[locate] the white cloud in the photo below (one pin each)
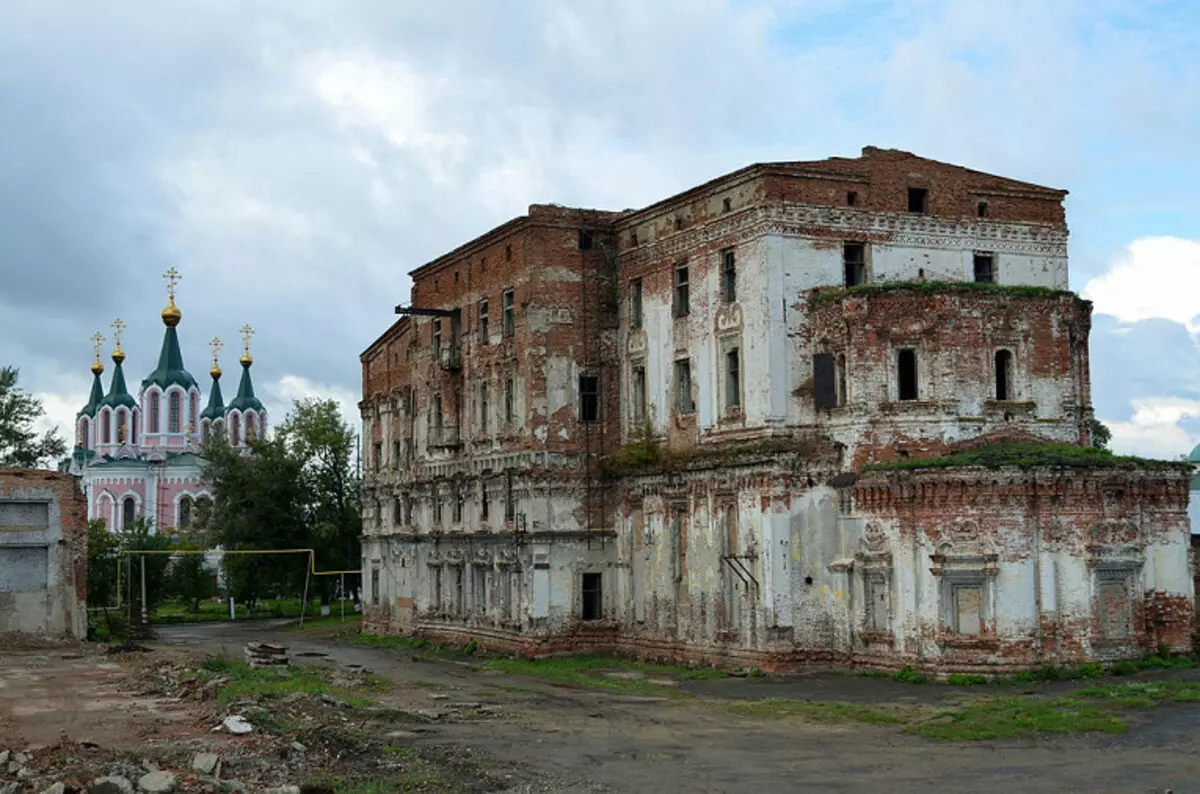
(1156, 277)
(59, 411)
(1153, 430)
(296, 387)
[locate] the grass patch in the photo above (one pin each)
(937, 288)
(908, 675)
(589, 669)
(1143, 694)
(246, 681)
(1012, 718)
(966, 679)
(813, 711)
(313, 623)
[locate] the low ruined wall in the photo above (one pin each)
(43, 553)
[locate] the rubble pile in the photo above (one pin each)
(266, 654)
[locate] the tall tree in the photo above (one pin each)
(257, 505)
(102, 564)
(140, 536)
(20, 444)
(316, 435)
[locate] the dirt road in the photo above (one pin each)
(635, 743)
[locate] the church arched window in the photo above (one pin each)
(234, 430)
(128, 512)
(174, 412)
(185, 512)
(122, 426)
(84, 440)
(105, 427)
(153, 427)
(194, 422)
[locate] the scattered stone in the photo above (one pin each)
(234, 786)
(24, 773)
(13, 766)
(10, 788)
(158, 783)
(4, 756)
(266, 654)
(282, 790)
(149, 765)
(439, 696)
(57, 788)
(236, 724)
(21, 758)
(207, 763)
(282, 673)
(113, 784)
(330, 700)
(298, 748)
(295, 697)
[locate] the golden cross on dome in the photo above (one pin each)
(172, 276)
(216, 344)
(97, 341)
(118, 329)
(246, 331)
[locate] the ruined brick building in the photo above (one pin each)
(809, 411)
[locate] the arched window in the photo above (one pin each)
(234, 430)
(174, 412)
(133, 435)
(122, 426)
(185, 512)
(153, 427)
(251, 427)
(194, 424)
(128, 512)
(204, 432)
(105, 427)
(84, 440)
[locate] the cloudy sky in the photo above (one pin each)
(295, 159)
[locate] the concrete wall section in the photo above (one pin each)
(43, 553)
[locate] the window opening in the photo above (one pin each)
(589, 398)
(906, 364)
(842, 397)
(985, 269)
(437, 338)
(683, 387)
(375, 586)
(510, 504)
(728, 276)
(509, 399)
(681, 291)
(851, 198)
(509, 311)
(639, 394)
(128, 512)
(733, 379)
(592, 596)
(483, 321)
(824, 381)
(397, 512)
(154, 410)
(854, 261)
(726, 205)
(585, 240)
(918, 199)
(483, 407)
(635, 303)
(1003, 374)
(982, 209)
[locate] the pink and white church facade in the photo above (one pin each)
(140, 457)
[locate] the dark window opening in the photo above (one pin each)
(678, 224)
(1003, 374)
(852, 198)
(455, 276)
(982, 208)
(633, 238)
(854, 261)
(728, 276)
(483, 322)
(639, 394)
(985, 268)
(378, 456)
(918, 199)
(483, 503)
(437, 337)
(824, 381)
(507, 253)
(395, 454)
(398, 512)
(733, 379)
(635, 303)
(726, 205)
(906, 364)
(585, 240)
(592, 596)
(484, 407)
(509, 399)
(841, 380)
(681, 307)
(128, 512)
(589, 398)
(510, 503)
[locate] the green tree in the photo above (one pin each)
(1101, 435)
(189, 579)
(140, 536)
(102, 564)
(315, 434)
(258, 503)
(20, 445)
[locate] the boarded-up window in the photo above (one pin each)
(824, 381)
(968, 608)
(23, 568)
(1115, 618)
(24, 516)
(877, 602)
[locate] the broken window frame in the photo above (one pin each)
(586, 240)
(589, 397)
(637, 392)
(436, 337)
(728, 275)
(684, 403)
(481, 321)
(508, 311)
(733, 379)
(918, 200)
(680, 302)
(510, 399)
(635, 303)
(854, 263)
(1003, 374)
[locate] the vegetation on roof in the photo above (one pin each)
(1027, 456)
(647, 455)
(939, 288)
